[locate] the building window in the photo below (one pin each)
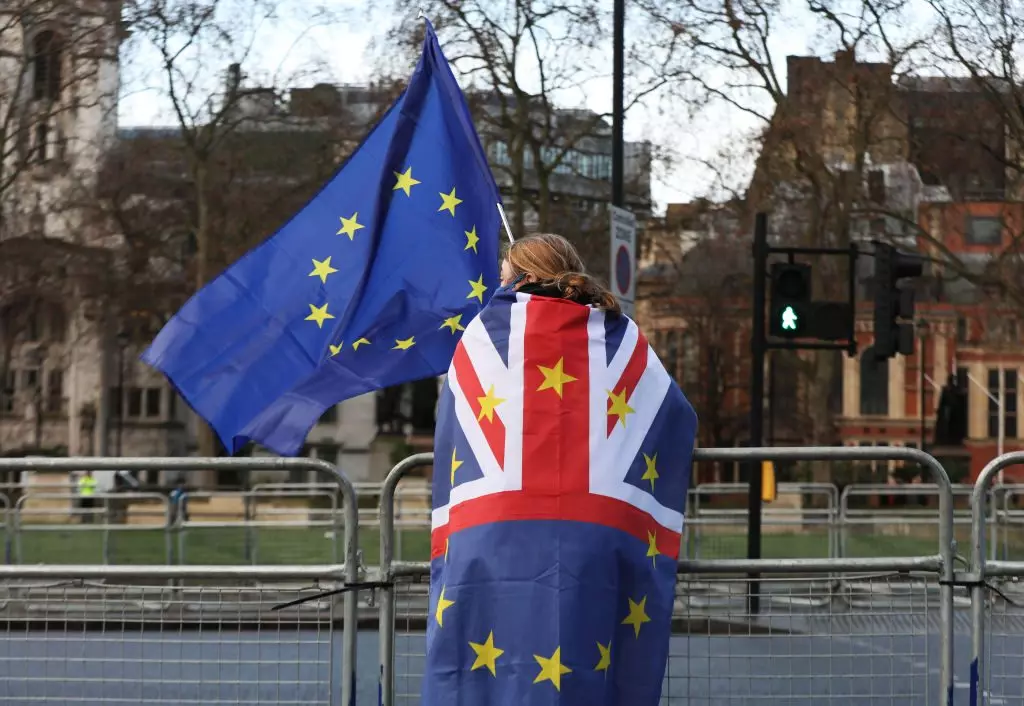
(874, 385)
(7, 392)
(152, 402)
(116, 399)
(962, 331)
(55, 391)
(134, 403)
(983, 230)
(46, 69)
(1010, 402)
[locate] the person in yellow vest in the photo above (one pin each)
(86, 496)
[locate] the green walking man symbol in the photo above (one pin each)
(789, 319)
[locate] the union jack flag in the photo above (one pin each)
(562, 462)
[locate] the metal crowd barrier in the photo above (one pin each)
(173, 635)
(873, 637)
(144, 656)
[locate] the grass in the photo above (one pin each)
(304, 545)
(208, 546)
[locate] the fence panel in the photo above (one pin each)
(99, 635)
(882, 634)
(263, 526)
(898, 520)
(716, 524)
(997, 619)
(120, 528)
(349, 572)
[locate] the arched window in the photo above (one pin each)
(874, 384)
(46, 69)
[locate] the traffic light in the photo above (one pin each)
(790, 299)
(894, 301)
(794, 315)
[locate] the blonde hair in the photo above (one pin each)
(553, 261)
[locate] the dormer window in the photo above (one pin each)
(46, 66)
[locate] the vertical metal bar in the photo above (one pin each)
(386, 517)
(979, 498)
(757, 352)
(618, 102)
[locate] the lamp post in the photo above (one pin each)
(122, 343)
(923, 328)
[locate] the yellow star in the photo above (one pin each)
(404, 344)
(651, 473)
(318, 314)
(322, 268)
(360, 342)
(619, 407)
(637, 616)
(551, 669)
(478, 289)
(442, 605)
(349, 226)
(336, 349)
(652, 547)
(405, 181)
(606, 657)
(487, 405)
(555, 378)
(486, 654)
(452, 323)
(455, 465)
(471, 239)
(449, 202)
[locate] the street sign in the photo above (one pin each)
(623, 258)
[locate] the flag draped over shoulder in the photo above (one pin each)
(562, 463)
(369, 285)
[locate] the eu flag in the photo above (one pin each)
(562, 462)
(371, 284)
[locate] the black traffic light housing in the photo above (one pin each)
(790, 299)
(793, 314)
(894, 301)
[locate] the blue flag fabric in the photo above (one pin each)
(370, 285)
(562, 463)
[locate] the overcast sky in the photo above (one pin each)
(344, 50)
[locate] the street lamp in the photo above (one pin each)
(923, 329)
(122, 343)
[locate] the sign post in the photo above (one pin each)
(623, 258)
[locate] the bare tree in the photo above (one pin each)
(209, 208)
(521, 64)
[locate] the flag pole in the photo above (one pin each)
(504, 221)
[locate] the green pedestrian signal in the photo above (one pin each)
(789, 319)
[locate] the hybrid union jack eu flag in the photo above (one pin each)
(563, 453)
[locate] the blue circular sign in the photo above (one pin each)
(623, 270)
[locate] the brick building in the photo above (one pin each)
(852, 155)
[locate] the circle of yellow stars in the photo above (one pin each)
(350, 227)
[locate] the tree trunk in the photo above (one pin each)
(205, 438)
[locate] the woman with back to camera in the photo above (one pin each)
(562, 462)
(548, 265)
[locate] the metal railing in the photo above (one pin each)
(86, 687)
(115, 634)
(822, 626)
(828, 629)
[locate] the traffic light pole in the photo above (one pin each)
(758, 348)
